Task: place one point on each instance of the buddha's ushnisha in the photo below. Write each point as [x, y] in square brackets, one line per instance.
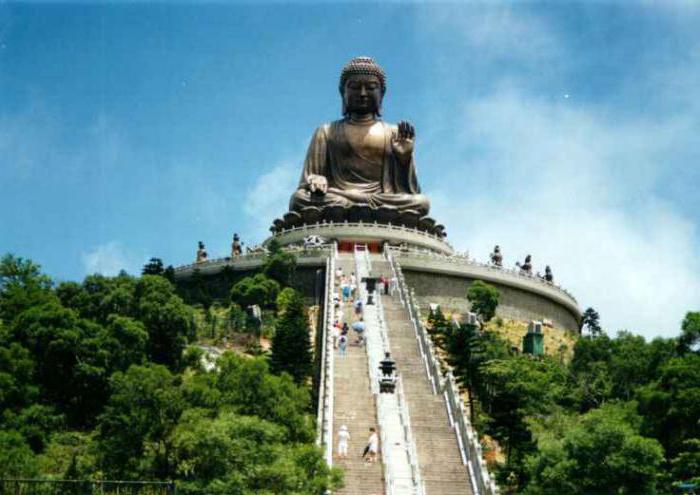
[361, 160]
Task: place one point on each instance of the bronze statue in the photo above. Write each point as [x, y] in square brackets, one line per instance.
[201, 253]
[548, 276]
[496, 256]
[526, 267]
[361, 160]
[236, 249]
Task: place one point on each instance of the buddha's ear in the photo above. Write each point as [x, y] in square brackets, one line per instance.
[343, 104]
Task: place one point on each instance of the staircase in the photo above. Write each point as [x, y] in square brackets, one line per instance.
[354, 407]
[443, 439]
[441, 467]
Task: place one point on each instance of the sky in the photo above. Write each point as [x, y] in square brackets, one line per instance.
[565, 130]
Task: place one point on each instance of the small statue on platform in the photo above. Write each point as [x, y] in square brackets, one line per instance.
[526, 267]
[548, 276]
[201, 253]
[497, 257]
[236, 249]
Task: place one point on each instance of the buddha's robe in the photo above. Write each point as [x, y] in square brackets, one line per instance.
[361, 169]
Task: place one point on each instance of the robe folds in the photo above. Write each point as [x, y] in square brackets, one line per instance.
[373, 178]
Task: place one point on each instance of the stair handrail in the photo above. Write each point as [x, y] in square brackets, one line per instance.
[374, 384]
[324, 420]
[425, 344]
[403, 410]
[468, 440]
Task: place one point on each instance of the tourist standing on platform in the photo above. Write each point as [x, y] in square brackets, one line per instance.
[338, 275]
[343, 437]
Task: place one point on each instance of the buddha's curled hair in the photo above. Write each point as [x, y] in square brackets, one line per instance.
[362, 66]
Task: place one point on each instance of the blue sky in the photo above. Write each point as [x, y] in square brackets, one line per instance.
[565, 130]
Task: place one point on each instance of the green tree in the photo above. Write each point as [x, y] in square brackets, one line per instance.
[690, 333]
[16, 457]
[604, 455]
[520, 387]
[686, 465]
[291, 343]
[72, 295]
[237, 318]
[22, 286]
[247, 455]
[68, 455]
[438, 326]
[70, 366]
[17, 388]
[593, 386]
[484, 299]
[279, 265]
[126, 340]
[36, 423]
[591, 322]
[168, 321]
[134, 431]
[670, 404]
[468, 350]
[153, 267]
[247, 387]
[258, 289]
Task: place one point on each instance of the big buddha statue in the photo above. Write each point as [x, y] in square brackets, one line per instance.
[360, 160]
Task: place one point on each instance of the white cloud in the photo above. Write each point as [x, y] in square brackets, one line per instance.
[109, 259]
[577, 189]
[269, 196]
[496, 30]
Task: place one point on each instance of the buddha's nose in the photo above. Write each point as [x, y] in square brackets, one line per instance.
[363, 91]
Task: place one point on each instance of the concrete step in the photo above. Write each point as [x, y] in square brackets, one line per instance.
[436, 443]
[354, 407]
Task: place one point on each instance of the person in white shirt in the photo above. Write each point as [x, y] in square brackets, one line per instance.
[343, 437]
[353, 285]
[372, 446]
[338, 275]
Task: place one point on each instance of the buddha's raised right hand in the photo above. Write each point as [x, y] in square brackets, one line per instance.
[317, 183]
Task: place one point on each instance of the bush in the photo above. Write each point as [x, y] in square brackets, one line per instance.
[484, 299]
[258, 289]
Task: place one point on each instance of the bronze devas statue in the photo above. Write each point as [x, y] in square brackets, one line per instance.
[360, 160]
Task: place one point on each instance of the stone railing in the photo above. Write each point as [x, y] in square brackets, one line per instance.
[324, 417]
[470, 448]
[401, 473]
[251, 258]
[465, 260]
[314, 228]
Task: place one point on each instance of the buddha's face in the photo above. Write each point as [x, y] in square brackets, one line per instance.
[362, 94]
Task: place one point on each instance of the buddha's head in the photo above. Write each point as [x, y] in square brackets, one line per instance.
[362, 86]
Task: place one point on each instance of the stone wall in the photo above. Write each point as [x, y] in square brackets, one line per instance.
[207, 288]
[450, 292]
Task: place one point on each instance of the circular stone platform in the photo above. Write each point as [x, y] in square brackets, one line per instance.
[394, 235]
